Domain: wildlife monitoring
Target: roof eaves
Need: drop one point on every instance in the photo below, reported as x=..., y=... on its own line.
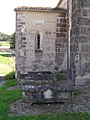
x=39, y=9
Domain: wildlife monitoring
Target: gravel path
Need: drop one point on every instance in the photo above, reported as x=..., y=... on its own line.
x=81, y=103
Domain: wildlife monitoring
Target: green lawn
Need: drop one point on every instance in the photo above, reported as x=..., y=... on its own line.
x=4, y=44
x=7, y=97
x=6, y=63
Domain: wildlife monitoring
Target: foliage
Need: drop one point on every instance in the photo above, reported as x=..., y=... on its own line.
x=4, y=37
x=9, y=76
x=12, y=41
x=76, y=92
x=60, y=76
x=6, y=63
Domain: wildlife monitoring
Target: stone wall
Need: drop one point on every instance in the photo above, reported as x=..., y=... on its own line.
x=29, y=59
x=41, y=48
x=80, y=37
x=61, y=43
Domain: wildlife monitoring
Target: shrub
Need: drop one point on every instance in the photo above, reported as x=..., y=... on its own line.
x=12, y=42
x=10, y=76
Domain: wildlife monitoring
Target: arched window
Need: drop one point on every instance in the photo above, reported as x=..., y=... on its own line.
x=38, y=41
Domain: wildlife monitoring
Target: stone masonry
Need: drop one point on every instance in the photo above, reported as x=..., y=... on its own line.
x=41, y=49
x=80, y=40
x=51, y=24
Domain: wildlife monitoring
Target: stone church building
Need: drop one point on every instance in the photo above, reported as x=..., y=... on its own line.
x=41, y=50
x=41, y=42
x=44, y=38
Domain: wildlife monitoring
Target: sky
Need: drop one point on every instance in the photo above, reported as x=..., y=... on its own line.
x=7, y=14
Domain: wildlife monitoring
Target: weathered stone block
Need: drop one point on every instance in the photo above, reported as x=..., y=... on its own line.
x=82, y=80
x=64, y=95
x=86, y=12
x=84, y=21
x=83, y=39
x=48, y=94
x=85, y=30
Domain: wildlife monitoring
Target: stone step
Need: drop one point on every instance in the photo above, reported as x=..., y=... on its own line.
x=37, y=76
x=36, y=82
x=37, y=79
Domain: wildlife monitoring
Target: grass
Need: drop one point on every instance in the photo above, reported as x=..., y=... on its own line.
x=58, y=116
x=60, y=77
x=6, y=63
x=4, y=44
x=8, y=83
x=9, y=96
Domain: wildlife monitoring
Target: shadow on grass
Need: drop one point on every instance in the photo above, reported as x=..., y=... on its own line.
x=7, y=54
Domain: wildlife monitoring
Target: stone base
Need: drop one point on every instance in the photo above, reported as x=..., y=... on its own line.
x=58, y=98
x=42, y=87
x=82, y=80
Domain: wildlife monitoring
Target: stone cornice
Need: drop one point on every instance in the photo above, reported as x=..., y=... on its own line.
x=39, y=9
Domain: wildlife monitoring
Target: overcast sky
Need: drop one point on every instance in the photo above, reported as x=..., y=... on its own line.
x=7, y=14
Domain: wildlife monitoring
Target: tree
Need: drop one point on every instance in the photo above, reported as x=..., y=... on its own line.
x=4, y=37
x=12, y=41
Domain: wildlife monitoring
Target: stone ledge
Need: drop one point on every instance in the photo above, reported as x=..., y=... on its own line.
x=82, y=80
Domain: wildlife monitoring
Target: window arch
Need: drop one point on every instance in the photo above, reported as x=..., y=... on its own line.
x=38, y=41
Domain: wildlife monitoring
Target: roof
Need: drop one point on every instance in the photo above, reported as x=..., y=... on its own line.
x=39, y=9
x=62, y=4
